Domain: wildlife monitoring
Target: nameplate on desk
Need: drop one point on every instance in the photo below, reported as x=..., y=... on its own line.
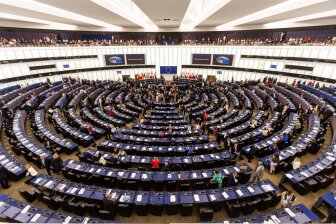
x=290, y=213
x=23, y=211
x=81, y=191
x=275, y=219
x=196, y=197
x=49, y=183
x=304, y=174
x=86, y=220
x=35, y=217
x=267, y=187
x=61, y=187
x=225, y=195
x=250, y=189
x=290, y=176
x=67, y=220
x=239, y=192
x=139, y=198
x=331, y=158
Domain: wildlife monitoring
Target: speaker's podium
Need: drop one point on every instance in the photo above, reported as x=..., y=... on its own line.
x=168, y=72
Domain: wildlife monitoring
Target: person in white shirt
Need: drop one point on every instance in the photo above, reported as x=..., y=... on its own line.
x=197, y=127
x=31, y=171
x=102, y=160
x=296, y=163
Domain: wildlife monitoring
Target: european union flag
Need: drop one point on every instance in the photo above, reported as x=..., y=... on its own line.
x=168, y=69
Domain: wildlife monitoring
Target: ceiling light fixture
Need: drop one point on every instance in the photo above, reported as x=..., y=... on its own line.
x=47, y=9
x=197, y=12
x=128, y=10
x=286, y=6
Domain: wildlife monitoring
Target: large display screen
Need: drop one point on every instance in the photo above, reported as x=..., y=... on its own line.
x=135, y=59
x=201, y=59
x=222, y=59
x=115, y=59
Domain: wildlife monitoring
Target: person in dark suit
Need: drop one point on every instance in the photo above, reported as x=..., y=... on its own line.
x=47, y=164
x=57, y=163
x=4, y=178
x=251, y=153
x=232, y=180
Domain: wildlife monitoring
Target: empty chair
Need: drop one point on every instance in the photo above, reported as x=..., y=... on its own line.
x=125, y=210
x=141, y=209
x=172, y=209
x=171, y=185
x=206, y=214
x=265, y=203
x=232, y=208
x=199, y=185
x=104, y=214
x=247, y=207
x=132, y=185
x=184, y=186
x=92, y=209
x=156, y=209
x=77, y=208
x=314, y=185
x=301, y=188
x=244, y=177
x=186, y=209
x=54, y=205
x=29, y=196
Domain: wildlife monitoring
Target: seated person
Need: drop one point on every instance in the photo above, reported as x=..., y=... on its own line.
x=217, y=178
x=155, y=164
x=31, y=171
x=102, y=159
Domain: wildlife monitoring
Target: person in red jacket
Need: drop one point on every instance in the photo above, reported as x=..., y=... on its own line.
x=205, y=116
x=90, y=129
x=111, y=112
x=161, y=134
x=155, y=164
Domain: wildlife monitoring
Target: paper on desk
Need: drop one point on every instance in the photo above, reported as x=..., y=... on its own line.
x=172, y=198
x=194, y=175
x=67, y=220
x=23, y=211
x=35, y=217
x=212, y=197
x=225, y=195
x=139, y=198
x=86, y=220
x=196, y=197
x=81, y=191
x=73, y=190
x=205, y=175
x=290, y=213
x=144, y=176
x=250, y=189
x=290, y=176
x=275, y=219
x=49, y=183
x=133, y=175
x=239, y=192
